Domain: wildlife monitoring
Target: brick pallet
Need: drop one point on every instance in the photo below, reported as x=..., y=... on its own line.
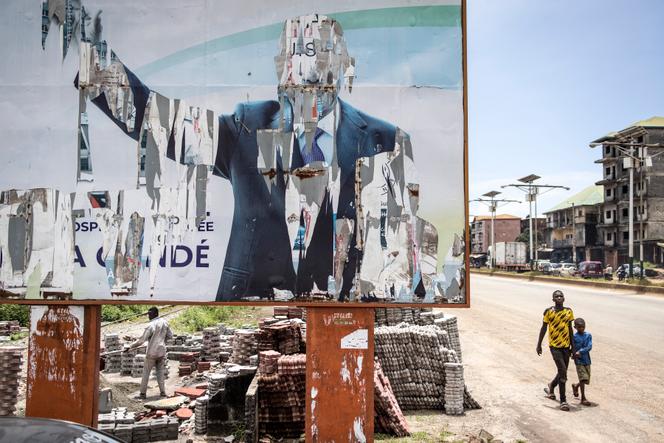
x=10, y=371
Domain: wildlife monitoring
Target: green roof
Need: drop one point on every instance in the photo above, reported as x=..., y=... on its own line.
x=652, y=122
x=592, y=195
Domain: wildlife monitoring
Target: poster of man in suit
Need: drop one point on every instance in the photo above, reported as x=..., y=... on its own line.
x=149, y=155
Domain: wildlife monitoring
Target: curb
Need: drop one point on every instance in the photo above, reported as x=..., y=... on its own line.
x=641, y=289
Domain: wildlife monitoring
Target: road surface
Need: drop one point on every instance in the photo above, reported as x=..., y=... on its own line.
x=506, y=376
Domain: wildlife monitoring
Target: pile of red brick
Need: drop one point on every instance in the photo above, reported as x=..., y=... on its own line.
x=188, y=363
x=10, y=369
x=281, y=399
x=389, y=418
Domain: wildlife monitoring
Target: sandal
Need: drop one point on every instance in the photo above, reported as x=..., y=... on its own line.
x=586, y=403
x=575, y=390
x=564, y=406
x=549, y=393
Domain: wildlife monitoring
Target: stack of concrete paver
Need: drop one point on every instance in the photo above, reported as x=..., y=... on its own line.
x=139, y=363
x=216, y=383
x=122, y=424
x=281, y=397
x=127, y=359
x=454, y=388
x=449, y=324
x=412, y=357
x=187, y=363
x=9, y=327
x=283, y=336
x=389, y=418
x=141, y=432
x=244, y=346
x=201, y=414
x=415, y=316
x=113, y=351
x=10, y=370
x=211, y=344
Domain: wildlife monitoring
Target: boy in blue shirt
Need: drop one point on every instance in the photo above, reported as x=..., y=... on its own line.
x=583, y=343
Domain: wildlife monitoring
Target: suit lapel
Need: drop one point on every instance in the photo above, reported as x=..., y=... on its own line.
x=351, y=139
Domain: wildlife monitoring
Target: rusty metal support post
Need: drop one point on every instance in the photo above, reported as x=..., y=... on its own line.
x=63, y=363
x=340, y=365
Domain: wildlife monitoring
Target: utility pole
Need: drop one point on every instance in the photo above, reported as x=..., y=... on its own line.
x=493, y=205
x=631, y=161
x=531, y=191
x=573, y=235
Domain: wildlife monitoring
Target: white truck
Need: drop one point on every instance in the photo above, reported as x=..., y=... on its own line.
x=511, y=256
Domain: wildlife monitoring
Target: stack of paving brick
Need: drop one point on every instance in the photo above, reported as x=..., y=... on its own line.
x=454, y=388
x=187, y=363
x=281, y=397
x=283, y=336
x=295, y=312
x=449, y=324
x=389, y=418
x=394, y=316
x=159, y=429
x=216, y=383
x=201, y=414
x=127, y=359
x=141, y=432
x=244, y=345
x=118, y=422
x=137, y=368
x=10, y=370
x=412, y=357
x=211, y=344
x=9, y=327
x=267, y=362
x=113, y=350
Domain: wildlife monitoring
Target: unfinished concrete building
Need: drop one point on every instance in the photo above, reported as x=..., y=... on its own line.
x=647, y=188
x=571, y=227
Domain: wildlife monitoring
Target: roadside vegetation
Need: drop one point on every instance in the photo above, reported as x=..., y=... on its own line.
x=196, y=318
x=16, y=312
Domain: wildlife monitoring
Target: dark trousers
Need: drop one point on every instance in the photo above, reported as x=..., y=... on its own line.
x=561, y=359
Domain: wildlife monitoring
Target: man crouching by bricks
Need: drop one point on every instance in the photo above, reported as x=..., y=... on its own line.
x=558, y=319
x=156, y=335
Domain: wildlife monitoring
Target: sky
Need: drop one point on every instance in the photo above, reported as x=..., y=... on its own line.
x=545, y=78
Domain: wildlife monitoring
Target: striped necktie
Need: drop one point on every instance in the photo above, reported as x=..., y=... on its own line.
x=315, y=153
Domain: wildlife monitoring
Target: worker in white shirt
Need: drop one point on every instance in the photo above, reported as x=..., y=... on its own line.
x=156, y=335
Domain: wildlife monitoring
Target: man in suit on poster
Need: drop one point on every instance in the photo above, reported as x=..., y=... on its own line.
x=327, y=136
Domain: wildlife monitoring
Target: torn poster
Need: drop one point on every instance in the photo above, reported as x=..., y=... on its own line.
x=299, y=160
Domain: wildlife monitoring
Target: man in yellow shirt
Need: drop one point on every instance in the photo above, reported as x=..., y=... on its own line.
x=558, y=320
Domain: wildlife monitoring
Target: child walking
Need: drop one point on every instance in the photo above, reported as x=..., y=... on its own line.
x=583, y=343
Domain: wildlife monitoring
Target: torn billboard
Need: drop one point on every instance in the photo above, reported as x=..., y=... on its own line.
x=149, y=158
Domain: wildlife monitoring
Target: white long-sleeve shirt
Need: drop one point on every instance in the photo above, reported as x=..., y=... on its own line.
x=156, y=335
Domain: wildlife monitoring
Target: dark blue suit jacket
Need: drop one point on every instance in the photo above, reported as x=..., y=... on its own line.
x=259, y=253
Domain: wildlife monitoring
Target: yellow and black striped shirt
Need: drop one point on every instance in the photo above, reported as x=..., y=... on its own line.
x=558, y=322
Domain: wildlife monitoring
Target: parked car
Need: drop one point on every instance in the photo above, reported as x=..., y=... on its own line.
x=42, y=430
x=566, y=270
x=551, y=268
x=591, y=269
x=637, y=270
x=539, y=264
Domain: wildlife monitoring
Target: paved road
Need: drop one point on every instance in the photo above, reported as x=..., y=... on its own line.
x=505, y=374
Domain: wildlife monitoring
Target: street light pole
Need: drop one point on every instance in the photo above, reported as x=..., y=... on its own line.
x=630, y=248
x=531, y=191
x=493, y=205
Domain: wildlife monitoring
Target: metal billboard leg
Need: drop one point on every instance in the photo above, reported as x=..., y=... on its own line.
x=63, y=363
x=340, y=365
